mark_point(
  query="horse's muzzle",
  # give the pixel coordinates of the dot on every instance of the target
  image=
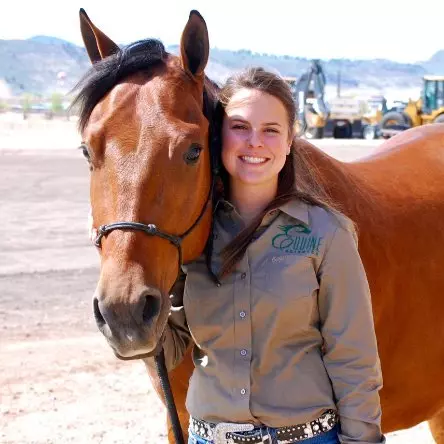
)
(133, 330)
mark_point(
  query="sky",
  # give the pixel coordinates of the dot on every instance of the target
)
(403, 31)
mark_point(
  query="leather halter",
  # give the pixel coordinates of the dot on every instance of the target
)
(151, 229)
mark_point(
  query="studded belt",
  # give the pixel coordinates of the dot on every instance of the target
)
(233, 433)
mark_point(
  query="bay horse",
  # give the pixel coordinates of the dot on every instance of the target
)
(144, 119)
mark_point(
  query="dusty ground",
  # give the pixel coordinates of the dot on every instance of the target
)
(59, 381)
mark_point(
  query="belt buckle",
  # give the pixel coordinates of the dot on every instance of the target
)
(221, 430)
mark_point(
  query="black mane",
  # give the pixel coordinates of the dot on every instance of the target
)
(105, 74)
(142, 55)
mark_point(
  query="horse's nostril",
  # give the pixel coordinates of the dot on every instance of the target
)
(97, 315)
(151, 308)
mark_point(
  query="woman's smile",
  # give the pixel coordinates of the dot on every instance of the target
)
(253, 160)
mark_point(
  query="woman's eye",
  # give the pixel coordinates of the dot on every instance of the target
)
(192, 155)
(239, 127)
(272, 130)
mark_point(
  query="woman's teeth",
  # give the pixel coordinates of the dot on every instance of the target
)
(250, 159)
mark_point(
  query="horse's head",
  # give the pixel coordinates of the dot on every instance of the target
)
(145, 137)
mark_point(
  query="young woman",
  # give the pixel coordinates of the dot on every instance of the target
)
(285, 349)
(285, 343)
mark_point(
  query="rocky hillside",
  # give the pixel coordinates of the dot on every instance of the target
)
(40, 65)
(43, 65)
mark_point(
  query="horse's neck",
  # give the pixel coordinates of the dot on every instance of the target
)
(346, 184)
(334, 176)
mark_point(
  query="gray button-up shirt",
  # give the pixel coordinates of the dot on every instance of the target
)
(289, 334)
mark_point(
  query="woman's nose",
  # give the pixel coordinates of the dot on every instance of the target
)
(255, 139)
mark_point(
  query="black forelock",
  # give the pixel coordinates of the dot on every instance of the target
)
(142, 55)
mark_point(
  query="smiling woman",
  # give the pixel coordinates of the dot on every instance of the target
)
(284, 344)
(259, 154)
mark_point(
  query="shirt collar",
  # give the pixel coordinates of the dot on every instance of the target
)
(296, 209)
(224, 205)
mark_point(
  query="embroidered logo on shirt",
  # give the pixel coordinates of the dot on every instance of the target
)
(295, 239)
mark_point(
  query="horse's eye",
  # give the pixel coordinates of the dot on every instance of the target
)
(192, 155)
(85, 151)
(86, 154)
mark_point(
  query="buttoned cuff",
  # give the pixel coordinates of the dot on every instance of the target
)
(360, 432)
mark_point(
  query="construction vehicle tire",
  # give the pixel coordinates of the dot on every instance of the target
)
(439, 119)
(393, 119)
(343, 131)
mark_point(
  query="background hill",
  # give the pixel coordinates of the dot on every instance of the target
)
(44, 65)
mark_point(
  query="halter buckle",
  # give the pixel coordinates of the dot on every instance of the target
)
(100, 233)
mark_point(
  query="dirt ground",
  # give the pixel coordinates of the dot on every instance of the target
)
(59, 381)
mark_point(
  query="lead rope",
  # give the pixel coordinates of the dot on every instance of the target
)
(168, 397)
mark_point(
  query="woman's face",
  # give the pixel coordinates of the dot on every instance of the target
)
(255, 138)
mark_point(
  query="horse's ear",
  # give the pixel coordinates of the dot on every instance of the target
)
(194, 45)
(97, 44)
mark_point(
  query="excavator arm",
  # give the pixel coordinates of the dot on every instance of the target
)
(312, 110)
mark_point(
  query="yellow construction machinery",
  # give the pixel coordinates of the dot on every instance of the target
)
(355, 117)
(341, 118)
(308, 93)
(428, 109)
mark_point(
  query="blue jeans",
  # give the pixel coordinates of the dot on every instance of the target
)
(330, 437)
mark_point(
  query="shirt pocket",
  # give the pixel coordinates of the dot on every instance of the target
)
(287, 289)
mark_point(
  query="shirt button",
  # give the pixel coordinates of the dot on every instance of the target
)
(243, 352)
(243, 275)
(243, 391)
(242, 314)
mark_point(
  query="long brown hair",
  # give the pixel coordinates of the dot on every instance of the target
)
(296, 180)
